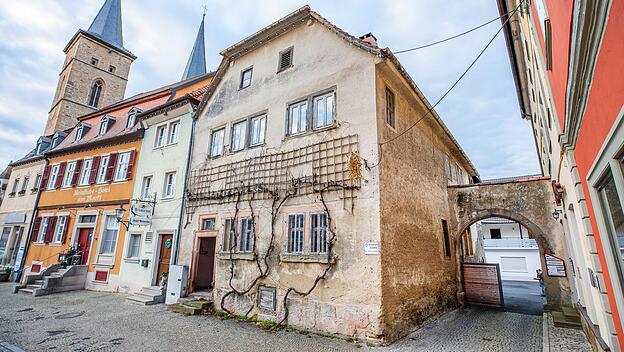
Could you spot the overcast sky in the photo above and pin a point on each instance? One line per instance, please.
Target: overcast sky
(482, 112)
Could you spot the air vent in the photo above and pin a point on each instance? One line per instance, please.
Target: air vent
(285, 60)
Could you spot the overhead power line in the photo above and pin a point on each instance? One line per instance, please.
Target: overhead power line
(509, 16)
(453, 37)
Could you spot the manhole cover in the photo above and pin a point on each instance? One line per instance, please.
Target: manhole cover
(70, 315)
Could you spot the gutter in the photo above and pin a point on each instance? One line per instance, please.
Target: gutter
(186, 180)
(30, 230)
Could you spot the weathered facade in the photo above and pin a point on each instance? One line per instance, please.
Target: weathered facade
(565, 61)
(294, 212)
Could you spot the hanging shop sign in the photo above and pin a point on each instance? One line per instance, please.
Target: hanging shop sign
(555, 266)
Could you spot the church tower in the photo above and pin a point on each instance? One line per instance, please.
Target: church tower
(95, 71)
(196, 64)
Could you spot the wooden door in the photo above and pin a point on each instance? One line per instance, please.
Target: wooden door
(482, 284)
(166, 243)
(84, 243)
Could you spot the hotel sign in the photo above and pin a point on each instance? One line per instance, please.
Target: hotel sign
(90, 195)
(141, 212)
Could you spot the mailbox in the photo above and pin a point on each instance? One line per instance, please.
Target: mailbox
(145, 263)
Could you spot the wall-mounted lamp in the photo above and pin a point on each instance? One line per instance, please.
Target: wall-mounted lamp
(119, 213)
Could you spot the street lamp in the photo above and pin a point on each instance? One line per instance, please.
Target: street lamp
(557, 213)
(119, 213)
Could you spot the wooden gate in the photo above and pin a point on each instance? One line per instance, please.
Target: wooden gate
(482, 284)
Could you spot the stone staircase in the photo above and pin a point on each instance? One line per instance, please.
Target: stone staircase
(53, 280)
(148, 296)
(567, 317)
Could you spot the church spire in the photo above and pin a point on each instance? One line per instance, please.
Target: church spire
(196, 64)
(107, 23)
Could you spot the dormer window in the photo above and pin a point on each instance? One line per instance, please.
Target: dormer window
(57, 139)
(132, 117)
(39, 148)
(82, 129)
(105, 124)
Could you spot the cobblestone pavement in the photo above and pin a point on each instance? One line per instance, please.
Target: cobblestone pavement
(564, 340)
(94, 321)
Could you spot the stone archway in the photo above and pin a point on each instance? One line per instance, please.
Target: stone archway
(528, 201)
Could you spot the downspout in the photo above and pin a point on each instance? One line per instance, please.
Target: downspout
(186, 177)
(18, 278)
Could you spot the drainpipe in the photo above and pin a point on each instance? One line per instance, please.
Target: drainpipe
(18, 278)
(186, 177)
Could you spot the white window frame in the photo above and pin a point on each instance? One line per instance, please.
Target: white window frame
(53, 175)
(161, 136)
(257, 127)
(85, 173)
(15, 185)
(105, 240)
(173, 132)
(103, 127)
(37, 184)
(43, 227)
(239, 136)
(294, 126)
(25, 184)
(61, 224)
(327, 120)
(217, 153)
(101, 176)
(295, 235)
(122, 166)
(169, 188)
(129, 249)
(146, 187)
(69, 174)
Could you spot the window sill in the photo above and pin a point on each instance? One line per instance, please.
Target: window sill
(312, 131)
(132, 260)
(307, 258)
(103, 265)
(236, 256)
(165, 199)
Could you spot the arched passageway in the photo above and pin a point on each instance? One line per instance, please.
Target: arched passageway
(529, 202)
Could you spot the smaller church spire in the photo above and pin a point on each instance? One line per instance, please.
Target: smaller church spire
(196, 64)
(107, 23)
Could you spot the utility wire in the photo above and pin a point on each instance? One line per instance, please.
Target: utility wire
(509, 16)
(453, 37)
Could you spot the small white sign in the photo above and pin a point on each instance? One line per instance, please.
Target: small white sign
(140, 221)
(555, 266)
(371, 248)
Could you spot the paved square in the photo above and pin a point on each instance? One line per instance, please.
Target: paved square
(95, 321)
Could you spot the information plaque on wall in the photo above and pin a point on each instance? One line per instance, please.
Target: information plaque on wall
(555, 266)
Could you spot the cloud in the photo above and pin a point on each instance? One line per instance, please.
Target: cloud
(482, 112)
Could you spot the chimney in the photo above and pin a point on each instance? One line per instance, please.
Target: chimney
(370, 39)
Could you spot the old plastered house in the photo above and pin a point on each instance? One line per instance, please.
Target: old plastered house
(311, 200)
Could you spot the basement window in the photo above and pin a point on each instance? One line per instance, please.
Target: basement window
(285, 59)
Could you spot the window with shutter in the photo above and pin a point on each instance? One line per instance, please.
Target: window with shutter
(94, 170)
(130, 165)
(285, 59)
(35, 231)
(61, 175)
(45, 177)
(76, 175)
(49, 231)
(110, 169)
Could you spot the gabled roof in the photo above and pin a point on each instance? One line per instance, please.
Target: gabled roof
(299, 17)
(196, 65)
